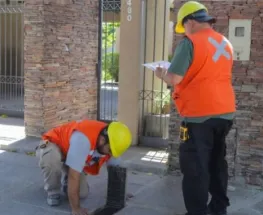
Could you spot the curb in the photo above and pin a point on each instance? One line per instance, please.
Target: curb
(145, 168)
(16, 149)
(132, 166)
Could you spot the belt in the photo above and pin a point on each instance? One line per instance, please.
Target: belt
(43, 145)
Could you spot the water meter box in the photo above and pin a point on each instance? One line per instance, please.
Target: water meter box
(240, 36)
(116, 192)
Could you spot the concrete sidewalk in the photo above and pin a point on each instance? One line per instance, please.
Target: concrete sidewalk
(21, 187)
(21, 192)
(21, 184)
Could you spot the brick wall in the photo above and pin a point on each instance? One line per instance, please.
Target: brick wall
(61, 51)
(245, 142)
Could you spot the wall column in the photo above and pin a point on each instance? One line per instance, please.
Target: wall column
(61, 52)
(130, 64)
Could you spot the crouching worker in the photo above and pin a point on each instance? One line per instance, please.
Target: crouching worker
(70, 152)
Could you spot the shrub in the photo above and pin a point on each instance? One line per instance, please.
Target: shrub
(110, 67)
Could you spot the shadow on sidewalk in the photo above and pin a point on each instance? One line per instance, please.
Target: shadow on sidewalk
(13, 138)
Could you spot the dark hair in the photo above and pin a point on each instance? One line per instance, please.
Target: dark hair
(104, 133)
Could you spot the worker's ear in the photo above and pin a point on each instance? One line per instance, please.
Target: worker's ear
(101, 139)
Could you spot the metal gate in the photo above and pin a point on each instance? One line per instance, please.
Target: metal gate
(154, 101)
(108, 69)
(155, 96)
(11, 57)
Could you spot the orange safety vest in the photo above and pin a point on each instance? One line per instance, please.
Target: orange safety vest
(91, 129)
(207, 88)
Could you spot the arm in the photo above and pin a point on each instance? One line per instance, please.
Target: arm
(171, 79)
(78, 151)
(73, 189)
(180, 63)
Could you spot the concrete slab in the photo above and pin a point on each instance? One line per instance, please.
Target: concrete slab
(12, 158)
(21, 183)
(244, 198)
(14, 208)
(246, 211)
(22, 145)
(258, 206)
(146, 160)
(163, 196)
(35, 196)
(141, 210)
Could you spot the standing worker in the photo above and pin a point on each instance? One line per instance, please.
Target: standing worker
(201, 74)
(77, 149)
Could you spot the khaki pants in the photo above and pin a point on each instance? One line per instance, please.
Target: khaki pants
(55, 171)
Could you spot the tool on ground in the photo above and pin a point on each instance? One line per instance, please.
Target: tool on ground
(116, 192)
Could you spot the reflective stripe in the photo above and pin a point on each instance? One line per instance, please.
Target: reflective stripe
(90, 163)
(220, 49)
(91, 154)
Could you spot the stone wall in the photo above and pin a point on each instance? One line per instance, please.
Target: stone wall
(245, 142)
(61, 52)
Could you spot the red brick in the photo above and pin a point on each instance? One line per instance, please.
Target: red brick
(53, 76)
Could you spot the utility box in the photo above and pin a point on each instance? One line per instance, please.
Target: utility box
(240, 37)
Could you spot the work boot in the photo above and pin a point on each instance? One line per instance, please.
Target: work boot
(53, 200)
(116, 195)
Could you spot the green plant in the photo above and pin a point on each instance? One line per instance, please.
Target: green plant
(109, 34)
(110, 59)
(110, 67)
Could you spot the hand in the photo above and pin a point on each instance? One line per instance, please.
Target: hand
(80, 211)
(129, 196)
(160, 72)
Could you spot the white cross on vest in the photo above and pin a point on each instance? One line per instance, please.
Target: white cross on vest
(220, 49)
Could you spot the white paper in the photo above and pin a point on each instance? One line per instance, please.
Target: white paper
(152, 66)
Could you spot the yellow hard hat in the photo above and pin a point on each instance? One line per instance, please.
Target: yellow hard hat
(187, 8)
(120, 138)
